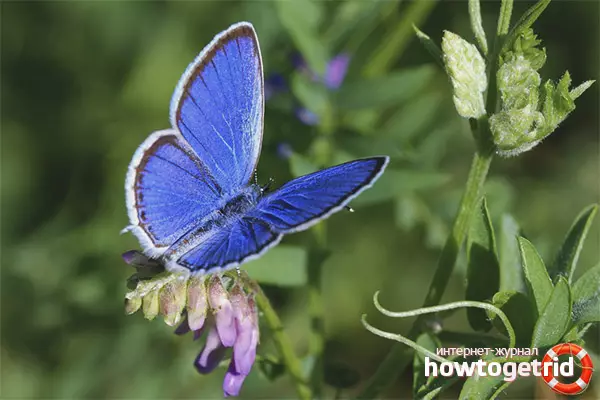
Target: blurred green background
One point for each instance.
(84, 83)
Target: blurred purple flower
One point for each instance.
(235, 326)
(274, 83)
(306, 116)
(336, 70)
(284, 150)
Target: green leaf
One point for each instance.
(511, 271)
(281, 266)
(384, 91)
(430, 46)
(538, 280)
(586, 297)
(301, 165)
(423, 386)
(524, 23)
(566, 259)
(340, 376)
(396, 182)
(483, 270)
(483, 387)
(413, 118)
(301, 19)
(477, 25)
(519, 310)
(312, 95)
(555, 318)
(270, 367)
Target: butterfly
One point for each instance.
(190, 198)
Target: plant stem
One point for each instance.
(316, 256)
(283, 344)
(395, 43)
(393, 365)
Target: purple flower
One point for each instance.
(274, 83)
(284, 150)
(336, 70)
(306, 116)
(235, 326)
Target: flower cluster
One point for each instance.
(218, 304)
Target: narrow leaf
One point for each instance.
(586, 297)
(519, 310)
(282, 266)
(511, 271)
(430, 46)
(477, 25)
(482, 387)
(300, 19)
(538, 280)
(578, 91)
(384, 91)
(483, 270)
(525, 22)
(566, 259)
(556, 317)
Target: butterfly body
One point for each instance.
(188, 192)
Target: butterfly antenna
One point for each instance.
(349, 208)
(255, 178)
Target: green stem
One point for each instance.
(283, 344)
(394, 44)
(316, 256)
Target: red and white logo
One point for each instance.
(587, 367)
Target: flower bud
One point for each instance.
(150, 305)
(197, 302)
(466, 69)
(232, 384)
(132, 305)
(244, 348)
(172, 300)
(223, 311)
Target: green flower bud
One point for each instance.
(197, 302)
(132, 305)
(172, 298)
(466, 69)
(150, 305)
(518, 83)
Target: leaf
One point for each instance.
(511, 271)
(566, 259)
(301, 165)
(520, 313)
(431, 343)
(586, 297)
(311, 95)
(395, 182)
(555, 318)
(477, 25)
(430, 46)
(340, 376)
(525, 22)
(483, 387)
(384, 91)
(270, 367)
(483, 270)
(538, 281)
(281, 266)
(301, 19)
(413, 118)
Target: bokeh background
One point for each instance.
(83, 83)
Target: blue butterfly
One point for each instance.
(189, 195)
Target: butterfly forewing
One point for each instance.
(218, 106)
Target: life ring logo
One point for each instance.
(587, 367)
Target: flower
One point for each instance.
(217, 304)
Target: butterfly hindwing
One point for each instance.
(230, 246)
(218, 106)
(306, 200)
(168, 190)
